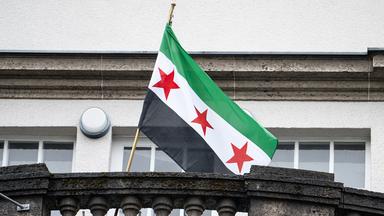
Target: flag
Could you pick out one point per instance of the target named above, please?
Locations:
(192, 120)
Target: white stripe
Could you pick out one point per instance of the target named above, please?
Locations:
(184, 100)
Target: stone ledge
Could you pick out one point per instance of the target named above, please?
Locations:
(272, 172)
(363, 201)
(24, 180)
(242, 77)
(293, 184)
(264, 185)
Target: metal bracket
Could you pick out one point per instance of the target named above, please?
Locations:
(20, 206)
(25, 207)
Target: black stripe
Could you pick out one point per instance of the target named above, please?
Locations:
(176, 138)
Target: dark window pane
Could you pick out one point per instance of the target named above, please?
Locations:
(58, 156)
(1, 152)
(358, 146)
(23, 152)
(164, 163)
(314, 156)
(350, 163)
(284, 155)
(141, 160)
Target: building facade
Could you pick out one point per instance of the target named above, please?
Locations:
(327, 109)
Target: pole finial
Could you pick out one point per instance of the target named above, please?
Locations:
(173, 5)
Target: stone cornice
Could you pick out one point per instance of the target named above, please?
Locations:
(302, 77)
(262, 184)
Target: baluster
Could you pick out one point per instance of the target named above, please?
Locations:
(194, 206)
(130, 205)
(162, 206)
(68, 206)
(98, 206)
(226, 207)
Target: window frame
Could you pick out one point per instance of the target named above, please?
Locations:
(331, 140)
(331, 161)
(40, 151)
(121, 145)
(129, 149)
(152, 148)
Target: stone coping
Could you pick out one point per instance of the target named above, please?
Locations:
(262, 183)
(287, 77)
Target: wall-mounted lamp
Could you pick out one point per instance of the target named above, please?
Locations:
(94, 123)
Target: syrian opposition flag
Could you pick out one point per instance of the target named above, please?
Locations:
(192, 120)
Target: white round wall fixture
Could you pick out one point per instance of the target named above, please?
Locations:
(94, 123)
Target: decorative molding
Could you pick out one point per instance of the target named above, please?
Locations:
(311, 77)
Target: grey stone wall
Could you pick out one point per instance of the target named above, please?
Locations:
(265, 191)
(272, 207)
(329, 77)
(37, 207)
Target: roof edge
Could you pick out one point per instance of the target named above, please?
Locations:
(370, 50)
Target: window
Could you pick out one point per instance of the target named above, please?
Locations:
(150, 159)
(22, 153)
(350, 163)
(163, 163)
(57, 155)
(314, 156)
(1, 151)
(345, 159)
(141, 160)
(284, 155)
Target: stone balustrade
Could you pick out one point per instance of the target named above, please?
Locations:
(265, 191)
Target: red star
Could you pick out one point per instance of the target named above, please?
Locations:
(240, 156)
(166, 82)
(202, 120)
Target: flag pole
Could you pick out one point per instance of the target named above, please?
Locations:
(130, 159)
(173, 5)
(133, 150)
(170, 16)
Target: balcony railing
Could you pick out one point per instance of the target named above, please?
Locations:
(265, 191)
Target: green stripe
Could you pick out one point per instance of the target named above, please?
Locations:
(213, 96)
